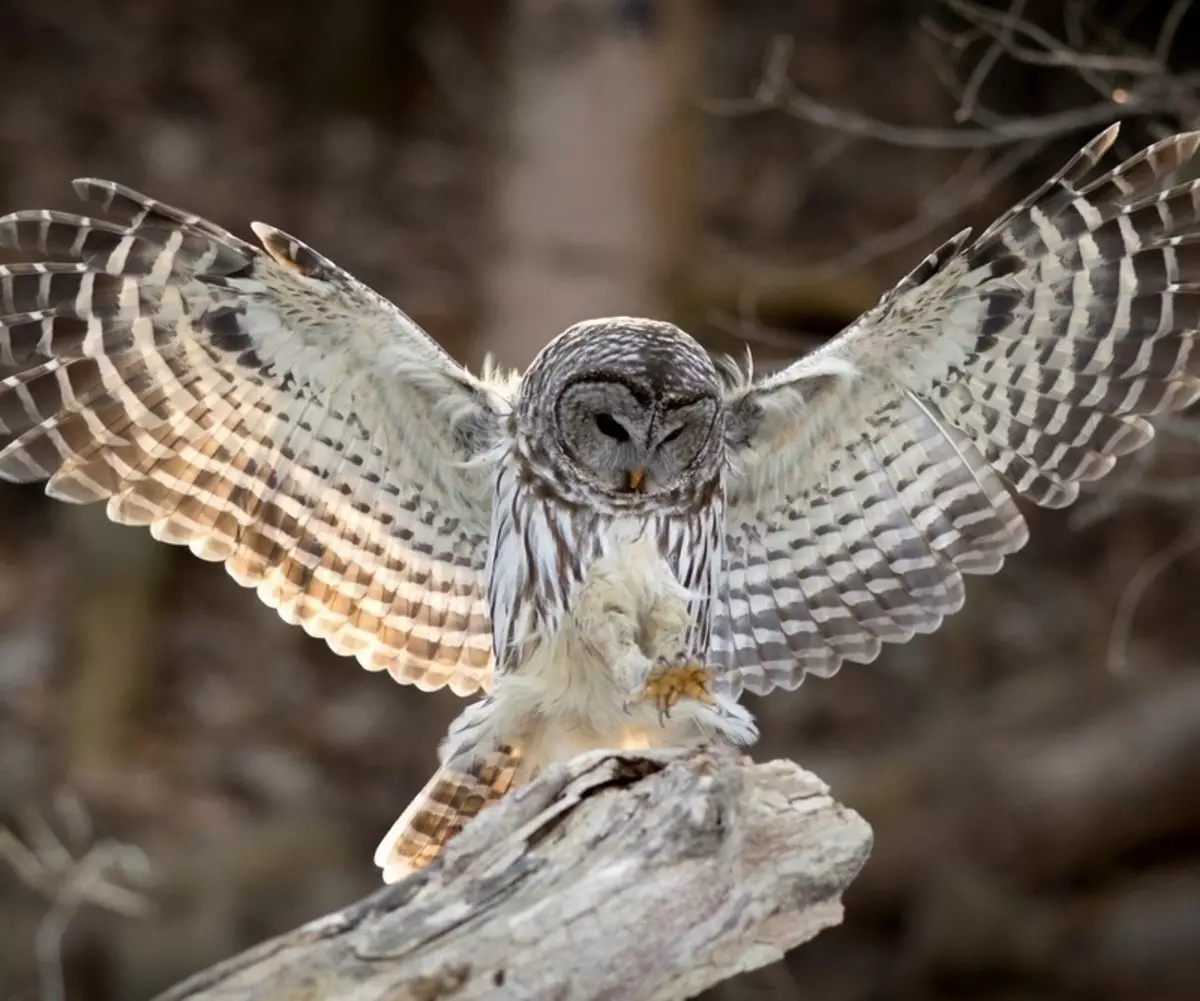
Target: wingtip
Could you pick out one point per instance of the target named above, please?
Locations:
(288, 252)
(282, 247)
(82, 186)
(1102, 142)
(1190, 141)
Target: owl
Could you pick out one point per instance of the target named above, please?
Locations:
(615, 545)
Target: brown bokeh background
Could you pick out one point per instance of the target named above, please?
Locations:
(499, 169)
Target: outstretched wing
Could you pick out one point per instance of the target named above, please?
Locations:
(871, 475)
(265, 409)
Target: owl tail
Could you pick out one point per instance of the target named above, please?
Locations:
(455, 794)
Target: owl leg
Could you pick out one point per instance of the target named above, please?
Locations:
(673, 675)
(606, 625)
(677, 676)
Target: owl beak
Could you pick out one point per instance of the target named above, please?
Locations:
(636, 476)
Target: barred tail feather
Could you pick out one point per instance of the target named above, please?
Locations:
(455, 794)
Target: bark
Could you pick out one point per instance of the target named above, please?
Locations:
(643, 876)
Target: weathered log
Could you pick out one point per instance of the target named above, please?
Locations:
(647, 875)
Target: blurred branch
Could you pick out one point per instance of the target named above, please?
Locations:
(732, 282)
(1137, 481)
(776, 92)
(1049, 51)
(46, 865)
(1166, 37)
(947, 203)
(1003, 42)
(1130, 83)
(1033, 804)
(649, 875)
(1135, 590)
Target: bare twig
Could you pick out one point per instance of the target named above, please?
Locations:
(970, 96)
(775, 91)
(48, 866)
(1130, 83)
(1135, 590)
(947, 202)
(1135, 482)
(1170, 28)
(1051, 51)
(744, 326)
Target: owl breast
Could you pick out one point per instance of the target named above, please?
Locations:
(542, 551)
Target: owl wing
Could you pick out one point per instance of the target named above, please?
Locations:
(869, 476)
(265, 409)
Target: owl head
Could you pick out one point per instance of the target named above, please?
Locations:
(623, 412)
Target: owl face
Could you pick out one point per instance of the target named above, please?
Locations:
(626, 410)
(627, 437)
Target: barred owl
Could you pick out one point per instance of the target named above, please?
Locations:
(617, 544)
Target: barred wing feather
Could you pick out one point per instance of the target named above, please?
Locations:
(871, 475)
(263, 408)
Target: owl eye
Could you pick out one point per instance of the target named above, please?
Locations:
(673, 435)
(607, 425)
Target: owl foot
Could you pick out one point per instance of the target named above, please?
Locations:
(670, 681)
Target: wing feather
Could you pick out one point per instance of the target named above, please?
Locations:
(1028, 359)
(264, 409)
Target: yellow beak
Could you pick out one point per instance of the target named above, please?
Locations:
(635, 478)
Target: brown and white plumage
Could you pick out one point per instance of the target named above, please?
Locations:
(620, 512)
(263, 408)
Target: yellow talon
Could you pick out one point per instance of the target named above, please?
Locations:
(668, 683)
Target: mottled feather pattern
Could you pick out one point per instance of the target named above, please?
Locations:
(869, 476)
(266, 410)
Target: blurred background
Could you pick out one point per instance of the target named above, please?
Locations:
(192, 775)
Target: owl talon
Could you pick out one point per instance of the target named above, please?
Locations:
(669, 682)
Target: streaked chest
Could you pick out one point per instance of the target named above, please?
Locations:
(541, 551)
